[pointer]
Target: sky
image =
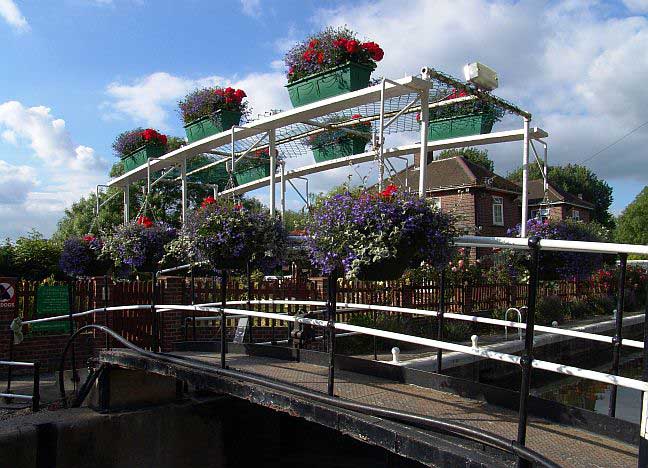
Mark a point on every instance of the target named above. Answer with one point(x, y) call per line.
point(75, 73)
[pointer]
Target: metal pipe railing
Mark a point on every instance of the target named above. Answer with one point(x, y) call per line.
point(35, 396)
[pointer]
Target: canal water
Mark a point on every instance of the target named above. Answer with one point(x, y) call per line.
point(595, 396)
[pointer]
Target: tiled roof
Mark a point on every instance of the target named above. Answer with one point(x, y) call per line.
point(555, 195)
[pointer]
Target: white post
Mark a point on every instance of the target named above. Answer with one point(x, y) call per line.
point(273, 168)
point(381, 138)
point(283, 192)
point(183, 177)
point(126, 203)
point(525, 178)
point(425, 118)
point(97, 201)
point(545, 169)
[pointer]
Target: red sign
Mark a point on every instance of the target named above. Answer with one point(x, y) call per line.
point(7, 293)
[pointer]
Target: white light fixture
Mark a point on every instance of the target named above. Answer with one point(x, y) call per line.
point(482, 76)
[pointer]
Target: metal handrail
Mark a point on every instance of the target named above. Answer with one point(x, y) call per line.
point(460, 430)
point(35, 396)
point(519, 316)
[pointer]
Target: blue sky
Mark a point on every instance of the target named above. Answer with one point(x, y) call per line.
point(75, 73)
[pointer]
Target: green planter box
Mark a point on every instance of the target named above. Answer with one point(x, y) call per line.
point(211, 125)
point(252, 174)
point(214, 175)
point(344, 147)
point(329, 83)
point(52, 301)
point(454, 127)
point(141, 155)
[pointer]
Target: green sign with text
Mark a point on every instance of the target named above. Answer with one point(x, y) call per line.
point(52, 301)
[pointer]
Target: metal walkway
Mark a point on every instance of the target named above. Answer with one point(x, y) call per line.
point(564, 445)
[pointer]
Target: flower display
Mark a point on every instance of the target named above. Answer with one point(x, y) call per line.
point(82, 257)
point(206, 101)
point(228, 235)
point(328, 49)
point(360, 233)
point(132, 140)
point(331, 137)
point(566, 265)
point(138, 245)
point(255, 159)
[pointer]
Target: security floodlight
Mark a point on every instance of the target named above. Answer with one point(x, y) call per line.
point(482, 76)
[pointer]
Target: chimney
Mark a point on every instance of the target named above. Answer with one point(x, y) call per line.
point(580, 195)
point(417, 158)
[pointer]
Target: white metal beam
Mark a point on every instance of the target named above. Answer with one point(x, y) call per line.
point(525, 178)
point(475, 140)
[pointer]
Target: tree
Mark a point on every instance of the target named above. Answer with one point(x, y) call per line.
point(575, 179)
point(474, 155)
point(632, 224)
point(36, 258)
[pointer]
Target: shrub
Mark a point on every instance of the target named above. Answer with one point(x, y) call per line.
point(580, 309)
point(549, 309)
point(36, 258)
point(601, 304)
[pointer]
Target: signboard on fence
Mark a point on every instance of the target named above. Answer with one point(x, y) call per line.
point(239, 335)
point(52, 301)
point(8, 298)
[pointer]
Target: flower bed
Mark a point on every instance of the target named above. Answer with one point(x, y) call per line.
point(566, 265)
point(229, 235)
point(466, 118)
point(338, 143)
point(82, 257)
point(254, 166)
point(138, 245)
point(208, 111)
point(377, 236)
point(136, 146)
point(329, 63)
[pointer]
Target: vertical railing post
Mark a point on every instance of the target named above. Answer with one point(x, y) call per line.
point(527, 356)
point(643, 433)
point(331, 299)
point(9, 368)
point(192, 291)
point(440, 319)
point(154, 316)
point(618, 325)
point(105, 306)
point(249, 298)
point(223, 342)
point(36, 390)
point(75, 374)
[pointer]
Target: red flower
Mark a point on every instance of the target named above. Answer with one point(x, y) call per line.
point(238, 207)
point(313, 43)
point(240, 94)
point(208, 201)
point(88, 238)
point(145, 221)
point(320, 57)
point(352, 46)
point(308, 55)
point(374, 50)
point(356, 116)
point(291, 70)
point(220, 92)
point(229, 91)
point(389, 191)
point(340, 42)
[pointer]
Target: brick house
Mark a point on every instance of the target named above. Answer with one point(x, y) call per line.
point(485, 203)
point(559, 204)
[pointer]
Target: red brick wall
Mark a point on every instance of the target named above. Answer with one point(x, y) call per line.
point(484, 213)
point(460, 203)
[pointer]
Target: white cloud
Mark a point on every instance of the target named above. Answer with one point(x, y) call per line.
point(10, 137)
point(12, 15)
point(636, 6)
point(147, 100)
point(251, 7)
point(15, 183)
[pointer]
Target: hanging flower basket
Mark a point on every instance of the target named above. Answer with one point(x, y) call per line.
point(375, 237)
point(229, 235)
point(138, 245)
point(328, 64)
point(136, 146)
point(565, 265)
point(337, 143)
point(216, 175)
point(209, 111)
point(82, 257)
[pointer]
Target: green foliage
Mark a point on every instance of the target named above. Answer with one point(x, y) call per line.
point(575, 179)
point(36, 258)
point(7, 266)
point(632, 224)
point(474, 155)
point(296, 220)
point(550, 308)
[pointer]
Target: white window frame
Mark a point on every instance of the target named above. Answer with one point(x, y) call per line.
point(576, 215)
point(498, 211)
point(544, 213)
point(436, 202)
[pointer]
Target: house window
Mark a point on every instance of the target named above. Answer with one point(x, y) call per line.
point(576, 215)
point(498, 211)
point(542, 213)
point(436, 202)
